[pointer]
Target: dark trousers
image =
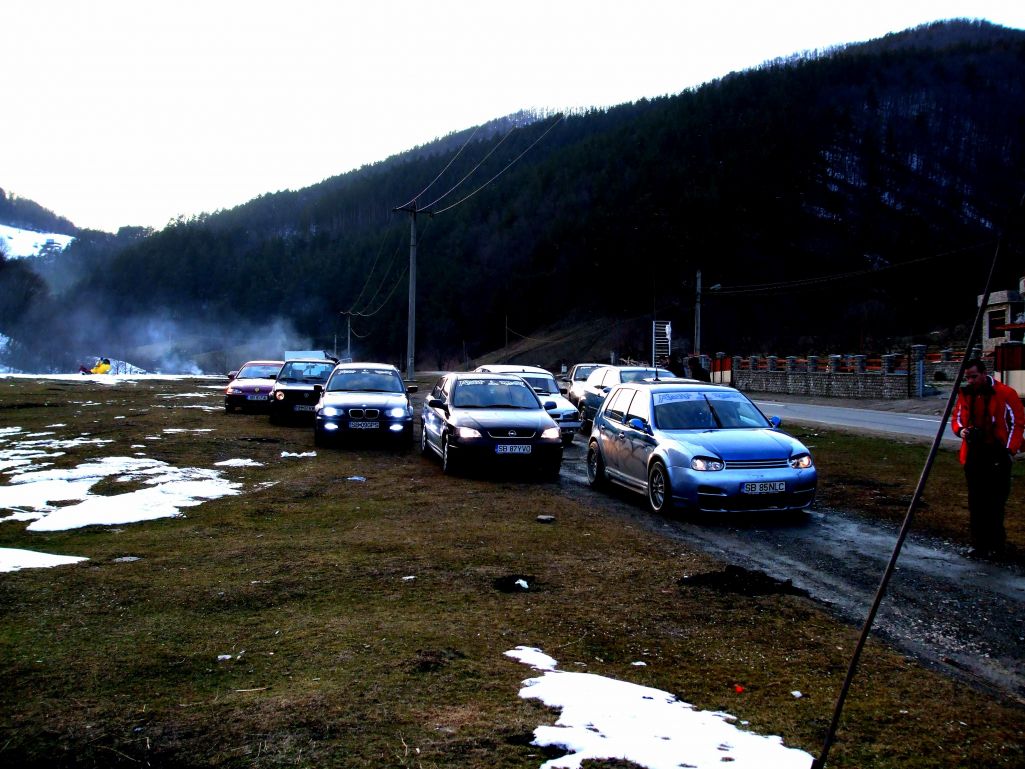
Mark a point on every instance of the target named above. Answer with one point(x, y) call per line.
point(988, 474)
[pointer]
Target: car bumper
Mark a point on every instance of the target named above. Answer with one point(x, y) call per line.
point(724, 491)
point(247, 402)
point(541, 455)
point(340, 428)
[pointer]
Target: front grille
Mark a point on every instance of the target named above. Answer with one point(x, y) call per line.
point(504, 433)
point(364, 413)
point(755, 464)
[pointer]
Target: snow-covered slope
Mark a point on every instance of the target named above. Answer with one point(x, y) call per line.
point(22, 243)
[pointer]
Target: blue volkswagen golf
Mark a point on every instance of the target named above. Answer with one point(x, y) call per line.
point(697, 446)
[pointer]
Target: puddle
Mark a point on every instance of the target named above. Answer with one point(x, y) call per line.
point(735, 579)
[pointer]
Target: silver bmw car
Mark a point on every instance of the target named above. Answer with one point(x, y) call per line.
point(697, 446)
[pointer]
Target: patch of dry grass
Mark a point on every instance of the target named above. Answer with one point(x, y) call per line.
point(339, 660)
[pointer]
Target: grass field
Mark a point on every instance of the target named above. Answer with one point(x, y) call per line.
point(347, 609)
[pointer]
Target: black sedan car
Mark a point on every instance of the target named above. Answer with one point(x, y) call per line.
point(249, 388)
point(364, 401)
point(293, 396)
point(494, 419)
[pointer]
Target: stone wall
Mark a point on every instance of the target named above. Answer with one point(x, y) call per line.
point(846, 376)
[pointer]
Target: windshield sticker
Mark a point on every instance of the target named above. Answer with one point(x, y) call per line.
point(661, 398)
point(726, 396)
point(490, 383)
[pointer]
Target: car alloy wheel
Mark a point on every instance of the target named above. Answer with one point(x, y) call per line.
point(595, 467)
point(658, 487)
point(448, 463)
point(425, 449)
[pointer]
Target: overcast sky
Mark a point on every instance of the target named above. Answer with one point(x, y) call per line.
point(134, 112)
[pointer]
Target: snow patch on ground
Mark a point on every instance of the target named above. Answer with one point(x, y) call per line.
point(13, 560)
point(602, 718)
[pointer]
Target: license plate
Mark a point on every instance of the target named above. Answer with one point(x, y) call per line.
point(509, 448)
point(302, 407)
point(364, 425)
point(256, 397)
point(765, 487)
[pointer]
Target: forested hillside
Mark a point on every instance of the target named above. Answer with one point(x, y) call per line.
point(838, 201)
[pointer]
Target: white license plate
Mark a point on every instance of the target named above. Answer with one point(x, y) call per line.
point(302, 407)
point(256, 397)
point(765, 487)
point(364, 425)
point(509, 448)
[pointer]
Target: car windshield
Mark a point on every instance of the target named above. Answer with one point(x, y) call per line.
point(494, 394)
point(298, 371)
point(365, 381)
point(706, 410)
point(542, 383)
point(637, 375)
point(259, 371)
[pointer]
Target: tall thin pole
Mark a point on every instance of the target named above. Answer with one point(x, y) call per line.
point(697, 316)
point(411, 330)
point(348, 338)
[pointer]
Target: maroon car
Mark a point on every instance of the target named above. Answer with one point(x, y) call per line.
point(249, 387)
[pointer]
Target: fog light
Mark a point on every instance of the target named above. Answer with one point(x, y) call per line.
point(395, 428)
point(330, 426)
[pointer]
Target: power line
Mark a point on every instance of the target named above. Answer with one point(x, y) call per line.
point(510, 165)
point(443, 170)
point(473, 170)
point(779, 286)
point(370, 274)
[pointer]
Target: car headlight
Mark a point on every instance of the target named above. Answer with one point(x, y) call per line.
point(330, 411)
point(233, 391)
point(709, 464)
point(467, 432)
point(280, 395)
point(801, 461)
point(552, 433)
point(397, 412)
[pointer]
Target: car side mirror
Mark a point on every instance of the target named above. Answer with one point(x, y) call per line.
point(636, 423)
point(564, 389)
point(606, 389)
point(775, 422)
point(412, 389)
point(435, 403)
point(318, 388)
point(551, 405)
point(232, 375)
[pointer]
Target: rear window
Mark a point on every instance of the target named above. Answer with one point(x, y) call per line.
point(647, 373)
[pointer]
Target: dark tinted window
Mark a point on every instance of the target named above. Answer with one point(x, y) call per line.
point(543, 383)
point(619, 404)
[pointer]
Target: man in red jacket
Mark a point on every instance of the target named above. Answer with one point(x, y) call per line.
point(989, 419)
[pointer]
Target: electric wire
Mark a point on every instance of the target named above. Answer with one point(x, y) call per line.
point(443, 170)
point(510, 165)
point(370, 274)
point(472, 171)
point(768, 288)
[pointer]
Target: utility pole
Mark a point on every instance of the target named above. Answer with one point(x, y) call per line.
point(697, 316)
point(411, 209)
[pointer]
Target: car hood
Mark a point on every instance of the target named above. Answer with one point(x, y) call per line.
point(560, 401)
point(512, 418)
point(253, 385)
point(363, 399)
point(737, 444)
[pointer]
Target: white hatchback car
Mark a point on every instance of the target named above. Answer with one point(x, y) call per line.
point(565, 414)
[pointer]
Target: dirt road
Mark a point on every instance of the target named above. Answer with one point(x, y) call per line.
point(962, 616)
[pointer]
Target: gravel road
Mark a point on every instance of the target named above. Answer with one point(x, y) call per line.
point(958, 615)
